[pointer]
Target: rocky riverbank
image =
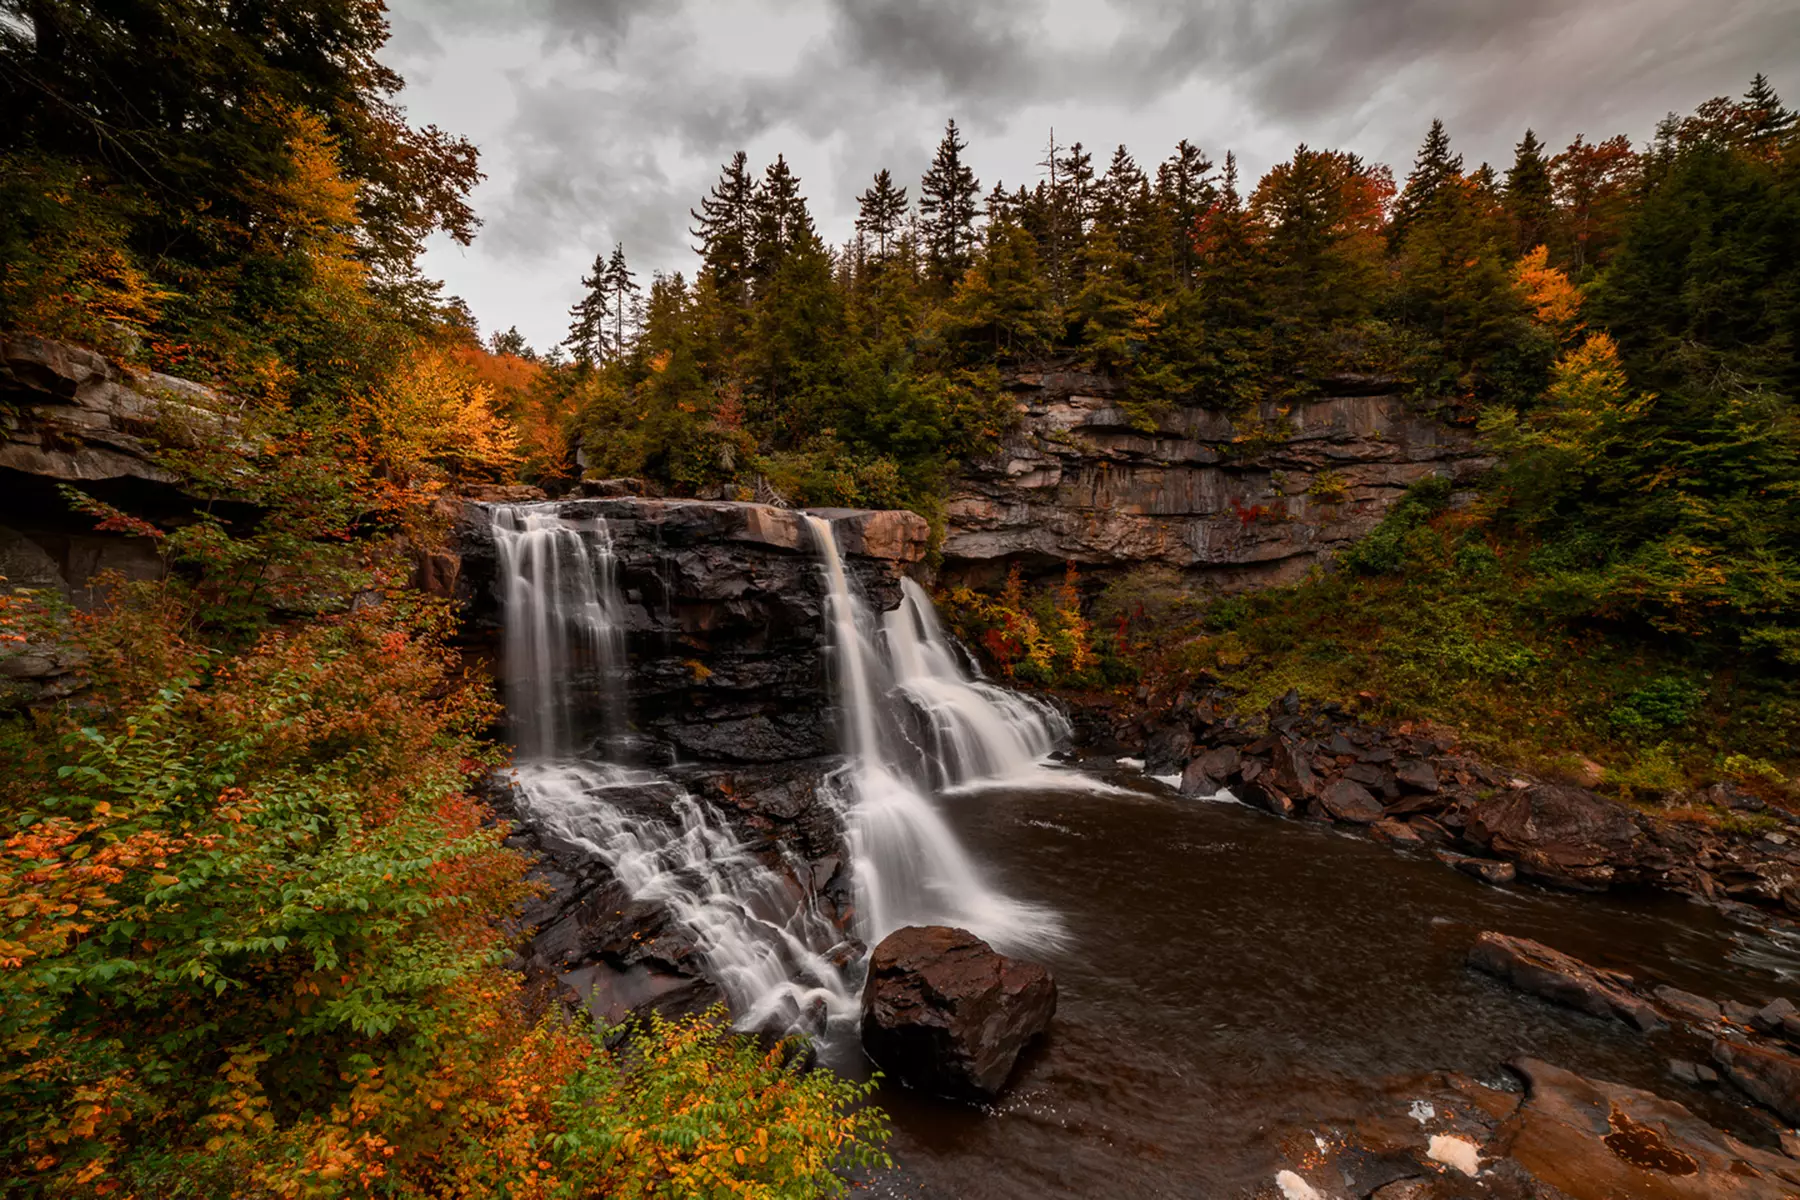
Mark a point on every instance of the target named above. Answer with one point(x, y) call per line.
point(1419, 789)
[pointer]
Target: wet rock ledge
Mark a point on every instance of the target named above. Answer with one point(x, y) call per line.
point(724, 611)
point(1420, 790)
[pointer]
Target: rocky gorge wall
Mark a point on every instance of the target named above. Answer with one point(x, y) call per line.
point(724, 615)
point(1239, 503)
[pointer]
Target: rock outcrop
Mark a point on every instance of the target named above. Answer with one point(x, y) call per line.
point(1536, 968)
point(69, 415)
point(724, 607)
point(1445, 1136)
point(1322, 762)
point(1246, 503)
point(945, 1013)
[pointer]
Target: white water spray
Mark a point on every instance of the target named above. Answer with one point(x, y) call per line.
point(563, 623)
point(759, 929)
point(909, 868)
point(775, 957)
point(976, 734)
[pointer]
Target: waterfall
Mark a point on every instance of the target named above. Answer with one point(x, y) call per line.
point(777, 960)
point(562, 623)
point(977, 733)
point(908, 868)
point(763, 939)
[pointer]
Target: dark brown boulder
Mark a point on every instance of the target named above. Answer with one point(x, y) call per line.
point(1768, 1076)
point(1536, 968)
point(946, 1013)
point(1560, 835)
point(1350, 801)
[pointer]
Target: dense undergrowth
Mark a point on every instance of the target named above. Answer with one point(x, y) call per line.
point(253, 910)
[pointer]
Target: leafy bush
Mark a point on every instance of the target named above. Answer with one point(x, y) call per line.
point(1667, 702)
point(1385, 549)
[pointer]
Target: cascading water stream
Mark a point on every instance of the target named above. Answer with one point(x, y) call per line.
point(977, 734)
point(908, 868)
point(564, 625)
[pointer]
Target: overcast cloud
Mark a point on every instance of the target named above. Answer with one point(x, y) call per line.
point(604, 121)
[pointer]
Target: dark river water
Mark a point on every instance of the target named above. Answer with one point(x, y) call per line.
point(1228, 973)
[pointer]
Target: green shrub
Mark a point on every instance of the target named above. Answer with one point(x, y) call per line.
point(1387, 547)
point(1667, 702)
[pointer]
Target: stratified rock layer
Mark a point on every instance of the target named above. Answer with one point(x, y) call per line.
point(724, 612)
point(1250, 502)
point(946, 1013)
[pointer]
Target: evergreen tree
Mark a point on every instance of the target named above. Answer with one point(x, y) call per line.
point(1003, 304)
point(1183, 190)
point(1433, 167)
point(621, 284)
point(1078, 189)
point(1529, 198)
point(1119, 193)
point(1230, 281)
point(881, 212)
point(511, 343)
point(1322, 210)
point(724, 228)
point(779, 221)
point(587, 339)
point(1108, 306)
point(949, 199)
point(1767, 117)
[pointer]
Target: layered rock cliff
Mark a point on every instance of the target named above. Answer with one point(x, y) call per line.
point(724, 611)
point(1240, 503)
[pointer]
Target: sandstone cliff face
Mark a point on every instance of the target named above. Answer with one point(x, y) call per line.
point(70, 416)
point(1239, 506)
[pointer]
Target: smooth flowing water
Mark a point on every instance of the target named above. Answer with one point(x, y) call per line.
point(1225, 973)
point(781, 964)
point(907, 866)
point(563, 625)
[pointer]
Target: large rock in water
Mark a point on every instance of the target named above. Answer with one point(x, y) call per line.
point(946, 1013)
point(1536, 968)
point(1559, 835)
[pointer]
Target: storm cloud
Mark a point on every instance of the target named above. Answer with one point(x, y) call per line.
point(604, 121)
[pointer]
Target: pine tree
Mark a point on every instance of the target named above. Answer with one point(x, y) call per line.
point(1529, 199)
point(881, 211)
point(779, 221)
point(724, 229)
point(1433, 167)
point(1766, 115)
point(587, 332)
point(949, 198)
point(1078, 188)
point(512, 343)
point(1183, 190)
point(1120, 191)
point(620, 283)
point(1000, 205)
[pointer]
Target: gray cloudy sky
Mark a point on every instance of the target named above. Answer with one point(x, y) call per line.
point(605, 120)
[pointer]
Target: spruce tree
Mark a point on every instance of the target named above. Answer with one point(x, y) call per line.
point(621, 282)
point(881, 211)
point(1183, 190)
point(1763, 107)
point(1529, 199)
point(949, 199)
point(1433, 167)
point(587, 331)
point(724, 229)
point(1118, 195)
point(779, 221)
